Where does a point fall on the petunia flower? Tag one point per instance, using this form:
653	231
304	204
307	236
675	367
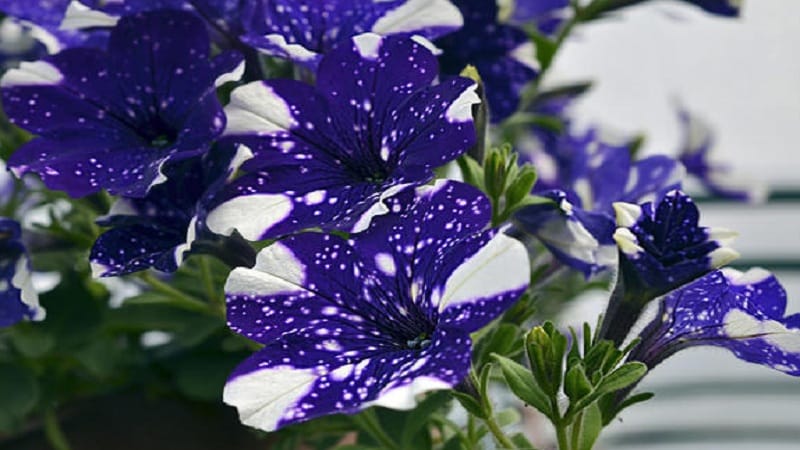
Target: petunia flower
305	30
160	229
374	320
662	246
723	8
743	312
579	238
41	12
17	44
503	54
18	300
585	175
329	155
716	177
114	119
545	15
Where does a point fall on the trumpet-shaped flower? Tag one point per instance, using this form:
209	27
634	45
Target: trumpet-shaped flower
374	320
114	119
18	299
662	246
329	155
716	177
503	55
743	312
305	30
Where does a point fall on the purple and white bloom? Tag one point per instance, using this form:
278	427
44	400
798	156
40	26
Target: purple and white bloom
723	8
114	119
17	44
329	155
503	54
545	15
743	312
584	176
41	12
716	177
374	320
578	238
159	229
305	30
662	246
18	299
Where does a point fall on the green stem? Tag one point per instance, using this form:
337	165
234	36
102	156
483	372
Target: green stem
208	282
563	34
498	434
369	423
576	429
561	435
52	429
179	299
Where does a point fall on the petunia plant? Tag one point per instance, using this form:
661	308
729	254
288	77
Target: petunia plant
342	224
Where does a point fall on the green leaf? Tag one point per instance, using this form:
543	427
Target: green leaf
576	383
521	186
19	392
590	424
523	385
521	441
202	376
100	357
472	172
508	417
418	419
502	340
626	375
31	340
470	404
614	409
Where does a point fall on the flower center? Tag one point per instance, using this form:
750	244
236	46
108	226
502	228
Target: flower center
419	343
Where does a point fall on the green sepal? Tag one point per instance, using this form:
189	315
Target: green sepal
523	385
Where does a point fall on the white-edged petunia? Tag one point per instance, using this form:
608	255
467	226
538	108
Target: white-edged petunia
715	176
330	155
18	299
503	54
743	312
374	320
585	175
662	246
305	30
113	119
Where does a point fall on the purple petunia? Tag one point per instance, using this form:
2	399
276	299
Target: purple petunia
503	54
743	312
584	176
305	30
329	155
545	15
662	246
373	320
716	177
18	299
159	230
114	119
723	8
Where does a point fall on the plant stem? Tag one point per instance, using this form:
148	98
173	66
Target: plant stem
369	423
561	435
52	429
498	434
208	282
179	299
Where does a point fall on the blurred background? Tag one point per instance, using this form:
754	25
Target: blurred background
742	76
